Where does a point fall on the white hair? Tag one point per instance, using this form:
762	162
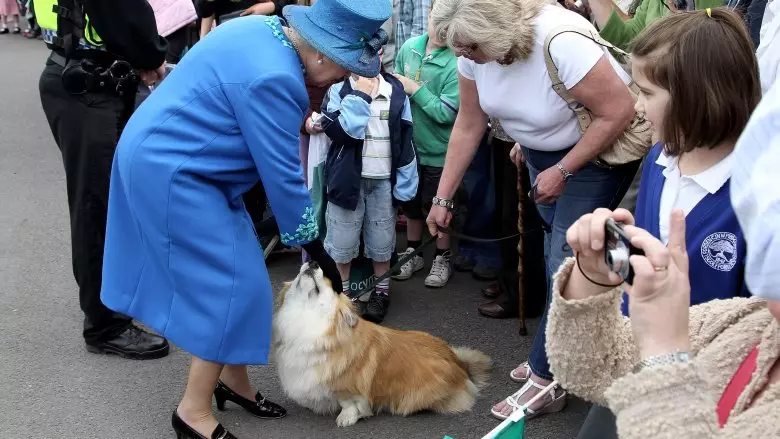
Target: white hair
501	28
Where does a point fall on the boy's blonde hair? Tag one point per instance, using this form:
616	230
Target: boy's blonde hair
706	60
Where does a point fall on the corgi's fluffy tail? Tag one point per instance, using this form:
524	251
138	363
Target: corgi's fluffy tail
477	364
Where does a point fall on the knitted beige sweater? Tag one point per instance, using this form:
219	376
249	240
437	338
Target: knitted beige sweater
592	353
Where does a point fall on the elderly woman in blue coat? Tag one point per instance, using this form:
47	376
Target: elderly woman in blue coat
181	254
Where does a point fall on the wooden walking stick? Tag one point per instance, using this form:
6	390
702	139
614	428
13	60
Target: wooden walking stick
520	253
498	132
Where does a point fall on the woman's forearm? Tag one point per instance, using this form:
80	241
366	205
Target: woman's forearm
206	23
602	10
589	342
601	133
464	142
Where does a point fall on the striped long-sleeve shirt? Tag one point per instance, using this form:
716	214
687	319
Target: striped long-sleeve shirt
412	20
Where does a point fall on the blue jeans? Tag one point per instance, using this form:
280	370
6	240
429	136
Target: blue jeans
480	220
755	15
590	188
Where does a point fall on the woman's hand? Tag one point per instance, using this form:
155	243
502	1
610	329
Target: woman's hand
311	127
516	155
316	251
410	87
549	186
439	216
661	293
586	238
265	7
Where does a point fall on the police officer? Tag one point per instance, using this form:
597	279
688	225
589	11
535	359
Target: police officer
101	49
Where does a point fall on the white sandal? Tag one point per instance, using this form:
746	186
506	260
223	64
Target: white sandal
555	403
521	378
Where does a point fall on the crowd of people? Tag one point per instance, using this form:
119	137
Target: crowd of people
486	117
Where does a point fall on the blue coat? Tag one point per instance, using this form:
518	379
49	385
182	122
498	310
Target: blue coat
716	247
181	254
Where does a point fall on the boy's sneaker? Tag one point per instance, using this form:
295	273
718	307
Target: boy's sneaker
376	308
440	271
408	269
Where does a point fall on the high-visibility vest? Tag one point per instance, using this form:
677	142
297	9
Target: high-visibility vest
46	13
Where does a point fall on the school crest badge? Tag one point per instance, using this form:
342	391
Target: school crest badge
719	251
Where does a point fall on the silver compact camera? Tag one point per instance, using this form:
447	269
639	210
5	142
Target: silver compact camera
618	249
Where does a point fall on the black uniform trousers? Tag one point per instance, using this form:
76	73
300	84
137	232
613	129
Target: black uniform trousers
85	128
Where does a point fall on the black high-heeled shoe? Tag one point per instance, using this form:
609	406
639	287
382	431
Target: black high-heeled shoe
260	407
184	431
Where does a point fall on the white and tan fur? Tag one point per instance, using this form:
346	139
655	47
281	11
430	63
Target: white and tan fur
329	359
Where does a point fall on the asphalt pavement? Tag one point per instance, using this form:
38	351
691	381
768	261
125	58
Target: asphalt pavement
50	387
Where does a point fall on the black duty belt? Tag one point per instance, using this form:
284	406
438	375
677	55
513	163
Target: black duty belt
58	59
86	75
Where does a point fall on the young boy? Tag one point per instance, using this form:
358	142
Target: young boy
428	70
370	168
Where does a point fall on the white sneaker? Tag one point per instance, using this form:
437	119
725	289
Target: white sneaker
440	271
413	266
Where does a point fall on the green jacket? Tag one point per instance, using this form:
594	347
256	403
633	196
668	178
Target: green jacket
435	104
621	32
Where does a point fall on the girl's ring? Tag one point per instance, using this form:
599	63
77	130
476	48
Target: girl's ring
660	268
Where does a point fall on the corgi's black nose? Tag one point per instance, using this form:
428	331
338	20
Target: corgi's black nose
313	265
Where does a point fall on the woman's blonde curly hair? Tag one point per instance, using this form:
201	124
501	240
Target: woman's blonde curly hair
502	29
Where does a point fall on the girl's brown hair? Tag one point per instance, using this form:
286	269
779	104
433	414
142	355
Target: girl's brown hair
706	60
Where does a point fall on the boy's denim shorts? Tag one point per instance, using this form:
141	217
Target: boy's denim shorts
374	215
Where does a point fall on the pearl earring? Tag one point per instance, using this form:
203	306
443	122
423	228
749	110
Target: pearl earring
320	61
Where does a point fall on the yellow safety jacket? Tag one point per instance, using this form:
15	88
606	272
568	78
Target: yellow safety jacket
47	13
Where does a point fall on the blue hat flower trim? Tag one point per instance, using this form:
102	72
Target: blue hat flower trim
370	45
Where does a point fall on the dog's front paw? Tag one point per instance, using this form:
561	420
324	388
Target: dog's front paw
347	417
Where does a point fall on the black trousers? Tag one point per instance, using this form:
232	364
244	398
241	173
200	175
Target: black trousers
507	199
600	424
85	128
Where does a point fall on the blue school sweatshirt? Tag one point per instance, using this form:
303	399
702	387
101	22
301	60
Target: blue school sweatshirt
716	247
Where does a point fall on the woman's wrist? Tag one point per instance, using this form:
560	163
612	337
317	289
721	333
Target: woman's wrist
650	347
580	287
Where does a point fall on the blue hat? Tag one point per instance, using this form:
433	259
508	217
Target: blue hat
346	31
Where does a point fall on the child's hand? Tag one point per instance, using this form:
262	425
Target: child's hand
410	87
365	85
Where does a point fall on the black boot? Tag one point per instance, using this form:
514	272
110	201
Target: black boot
133	343
260	407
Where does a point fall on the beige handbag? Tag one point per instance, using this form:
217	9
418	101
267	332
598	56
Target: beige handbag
634	143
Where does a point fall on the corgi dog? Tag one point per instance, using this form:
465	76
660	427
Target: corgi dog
329	359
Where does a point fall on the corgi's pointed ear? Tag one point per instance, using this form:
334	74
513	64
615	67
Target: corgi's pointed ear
349	317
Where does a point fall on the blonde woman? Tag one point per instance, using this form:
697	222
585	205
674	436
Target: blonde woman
502	74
